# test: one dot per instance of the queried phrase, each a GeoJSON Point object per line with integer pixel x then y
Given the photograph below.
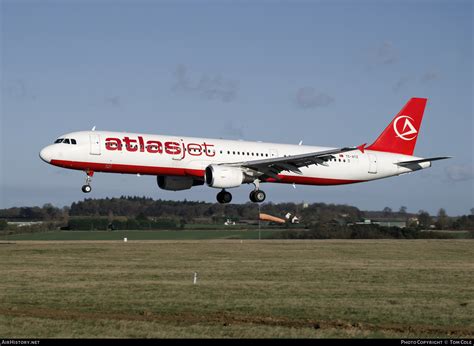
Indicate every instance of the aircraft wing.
{"type": "Point", "coordinates": [273, 166]}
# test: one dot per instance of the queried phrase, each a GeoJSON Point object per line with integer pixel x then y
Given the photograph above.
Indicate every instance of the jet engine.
{"type": "Point", "coordinates": [223, 177]}
{"type": "Point", "coordinates": [173, 183]}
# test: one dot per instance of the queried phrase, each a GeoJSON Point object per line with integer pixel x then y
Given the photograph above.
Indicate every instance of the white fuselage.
{"type": "Point", "coordinates": [118, 152]}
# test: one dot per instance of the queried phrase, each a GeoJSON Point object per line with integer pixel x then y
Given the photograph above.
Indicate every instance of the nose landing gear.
{"type": "Point", "coordinates": [87, 187]}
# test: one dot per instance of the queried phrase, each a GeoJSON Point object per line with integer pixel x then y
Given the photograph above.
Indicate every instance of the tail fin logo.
{"type": "Point", "coordinates": [407, 132]}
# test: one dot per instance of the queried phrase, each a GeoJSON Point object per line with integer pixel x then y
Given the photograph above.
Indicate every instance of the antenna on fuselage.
{"type": "Point", "coordinates": [93, 129]}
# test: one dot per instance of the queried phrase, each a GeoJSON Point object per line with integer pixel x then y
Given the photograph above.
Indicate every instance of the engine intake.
{"type": "Point", "coordinates": [224, 177]}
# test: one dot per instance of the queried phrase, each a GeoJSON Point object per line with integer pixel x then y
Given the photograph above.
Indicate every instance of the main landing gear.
{"type": "Point", "coordinates": [87, 187]}
{"type": "Point", "coordinates": [256, 196]}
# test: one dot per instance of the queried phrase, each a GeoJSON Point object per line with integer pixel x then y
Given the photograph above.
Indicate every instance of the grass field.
{"type": "Point", "coordinates": [142, 235]}
{"type": "Point", "coordinates": [249, 288]}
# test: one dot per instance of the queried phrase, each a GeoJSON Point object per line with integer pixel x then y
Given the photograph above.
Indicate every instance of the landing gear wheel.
{"type": "Point", "coordinates": [224, 197]}
{"type": "Point", "coordinates": [257, 196]}
{"type": "Point", "coordinates": [87, 187]}
{"type": "Point", "coordinates": [252, 197]}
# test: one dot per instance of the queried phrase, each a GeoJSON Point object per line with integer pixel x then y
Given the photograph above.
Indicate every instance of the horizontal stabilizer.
{"type": "Point", "coordinates": [411, 163]}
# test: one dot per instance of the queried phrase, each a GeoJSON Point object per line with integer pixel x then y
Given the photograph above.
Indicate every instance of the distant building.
{"type": "Point", "coordinates": [413, 221]}
{"type": "Point", "coordinates": [391, 223]}
{"type": "Point", "coordinates": [24, 223]}
{"type": "Point", "coordinates": [229, 222]}
{"type": "Point", "coordinates": [383, 223]}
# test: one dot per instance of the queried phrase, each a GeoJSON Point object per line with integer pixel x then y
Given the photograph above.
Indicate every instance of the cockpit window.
{"type": "Point", "coordinates": [66, 141]}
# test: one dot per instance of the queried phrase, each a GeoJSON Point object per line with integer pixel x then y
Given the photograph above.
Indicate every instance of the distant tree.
{"type": "Point", "coordinates": [465, 222]}
{"type": "Point", "coordinates": [472, 211]}
{"type": "Point", "coordinates": [141, 217]}
{"type": "Point", "coordinates": [424, 219]}
{"type": "Point", "coordinates": [387, 211]}
{"type": "Point", "coordinates": [110, 216]}
{"type": "Point", "coordinates": [3, 224]}
{"type": "Point", "coordinates": [403, 210]}
{"type": "Point", "coordinates": [442, 221]}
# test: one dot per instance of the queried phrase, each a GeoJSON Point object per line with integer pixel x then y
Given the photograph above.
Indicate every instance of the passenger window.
{"type": "Point", "coordinates": [73, 141]}
{"type": "Point", "coordinates": [66, 141]}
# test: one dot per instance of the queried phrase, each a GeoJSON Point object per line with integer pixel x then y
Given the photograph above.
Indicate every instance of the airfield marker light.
{"type": "Point", "coordinates": [195, 278]}
{"type": "Point", "coordinates": [125, 240]}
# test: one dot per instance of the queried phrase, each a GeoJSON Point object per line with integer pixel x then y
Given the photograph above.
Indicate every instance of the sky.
{"type": "Point", "coordinates": [329, 73]}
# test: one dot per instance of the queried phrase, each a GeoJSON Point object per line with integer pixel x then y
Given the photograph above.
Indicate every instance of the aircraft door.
{"type": "Point", "coordinates": [372, 163]}
{"type": "Point", "coordinates": [95, 144]}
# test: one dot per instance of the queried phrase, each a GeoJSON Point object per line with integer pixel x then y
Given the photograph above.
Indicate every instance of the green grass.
{"type": "Point", "coordinates": [141, 235]}
{"type": "Point", "coordinates": [249, 288]}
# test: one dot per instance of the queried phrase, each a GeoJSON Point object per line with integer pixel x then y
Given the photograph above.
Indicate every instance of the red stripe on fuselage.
{"type": "Point", "coordinates": [198, 173]}
{"type": "Point", "coordinates": [128, 169]}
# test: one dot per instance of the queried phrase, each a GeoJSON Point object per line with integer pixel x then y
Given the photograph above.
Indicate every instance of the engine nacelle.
{"type": "Point", "coordinates": [224, 177]}
{"type": "Point", "coordinates": [172, 183]}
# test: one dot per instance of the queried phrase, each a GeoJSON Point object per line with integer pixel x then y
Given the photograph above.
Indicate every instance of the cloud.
{"type": "Point", "coordinates": [402, 82]}
{"type": "Point", "coordinates": [113, 101]}
{"type": "Point", "coordinates": [308, 97]}
{"type": "Point", "coordinates": [18, 89]}
{"type": "Point", "coordinates": [424, 78]}
{"type": "Point", "coordinates": [387, 53]}
{"type": "Point", "coordinates": [460, 172]}
{"type": "Point", "coordinates": [233, 130]}
{"type": "Point", "coordinates": [429, 76]}
{"type": "Point", "coordinates": [210, 87]}
{"type": "Point", "coordinates": [182, 80]}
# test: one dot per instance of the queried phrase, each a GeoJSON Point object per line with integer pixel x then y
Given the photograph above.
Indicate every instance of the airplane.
{"type": "Point", "coordinates": [179, 163]}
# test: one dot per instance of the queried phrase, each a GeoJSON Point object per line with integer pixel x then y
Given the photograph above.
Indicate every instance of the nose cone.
{"type": "Point", "coordinates": [46, 154]}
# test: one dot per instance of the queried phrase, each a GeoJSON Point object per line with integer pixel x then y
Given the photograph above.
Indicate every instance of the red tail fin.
{"type": "Point", "coordinates": [401, 135]}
